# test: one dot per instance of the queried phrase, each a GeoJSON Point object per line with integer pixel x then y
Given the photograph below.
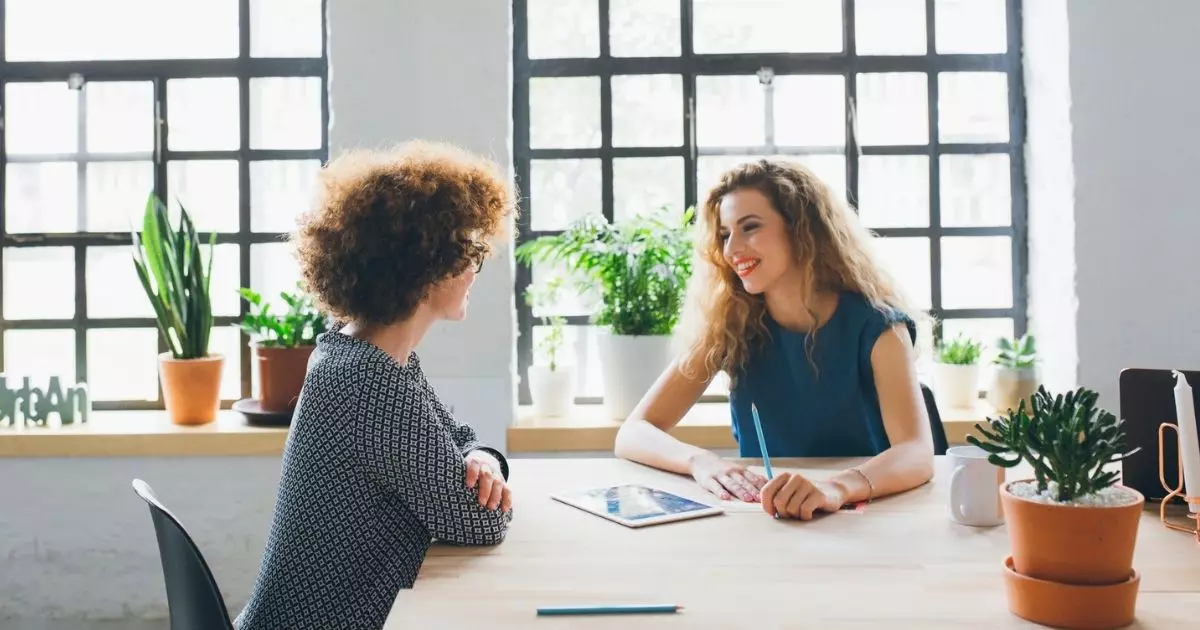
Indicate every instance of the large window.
{"type": "Point", "coordinates": [219, 105]}
{"type": "Point", "coordinates": [913, 108]}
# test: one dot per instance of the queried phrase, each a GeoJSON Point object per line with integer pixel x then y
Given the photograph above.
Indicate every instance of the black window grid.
{"type": "Point", "coordinates": [159, 72]}
{"type": "Point", "coordinates": [848, 64]}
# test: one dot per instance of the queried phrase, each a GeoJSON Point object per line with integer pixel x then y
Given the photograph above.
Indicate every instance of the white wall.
{"type": "Point", "coordinates": [439, 71]}
{"type": "Point", "coordinates": [1136, 145]}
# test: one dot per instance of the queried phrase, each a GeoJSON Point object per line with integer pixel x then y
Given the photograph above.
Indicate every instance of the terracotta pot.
{"type": "Point", "coordinates": [1072, 544]}
{"type": "Point", "coordinates": [1009, 386]}
{"type": "Point", "coordinates": [191, 387]}
{"type": "Point", "coordinates": [281, 376]}
{"type": "Point", "coordinates": [1060, 605]}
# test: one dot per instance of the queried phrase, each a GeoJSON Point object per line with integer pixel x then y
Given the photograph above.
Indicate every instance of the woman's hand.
{"type": "Point", "coordinates": [724, 478]}
{"type": "Point", "coordinates": [790, 495]}
{"type": "Point", "coordinates": [483, 471]}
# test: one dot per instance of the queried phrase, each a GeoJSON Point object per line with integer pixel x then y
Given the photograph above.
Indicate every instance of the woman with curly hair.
{"type": "Point", "coordinates": [788, 302]}
{"type": "Point", "coordinates": [375, 467]}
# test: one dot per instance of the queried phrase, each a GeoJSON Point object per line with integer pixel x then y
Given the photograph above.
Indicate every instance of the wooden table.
{"type": "Point", "coordinates": [900, 564]}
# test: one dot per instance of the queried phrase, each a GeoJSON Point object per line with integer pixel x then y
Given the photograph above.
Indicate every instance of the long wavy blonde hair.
{"type": "Point", "coordinates": [722, 322]}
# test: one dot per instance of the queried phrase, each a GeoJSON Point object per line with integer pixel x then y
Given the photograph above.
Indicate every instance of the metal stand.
{"type": "Point", "coordinates": [1194, 530]}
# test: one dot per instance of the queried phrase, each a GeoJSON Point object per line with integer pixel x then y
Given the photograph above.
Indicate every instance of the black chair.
{"type": "Point", "coordinates": [940, 443]}
{"type": "Point", "coordinates": [193, 598]}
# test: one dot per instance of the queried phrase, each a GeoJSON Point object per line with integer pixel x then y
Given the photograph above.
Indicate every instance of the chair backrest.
{"type": "Point", "coordinates": [193, 597]}
{"type": "Point", "coordinates": [940, 443]}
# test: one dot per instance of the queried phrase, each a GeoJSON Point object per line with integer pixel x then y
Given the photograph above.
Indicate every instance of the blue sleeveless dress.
{"type": "Point", "coordinates": [832, 411]}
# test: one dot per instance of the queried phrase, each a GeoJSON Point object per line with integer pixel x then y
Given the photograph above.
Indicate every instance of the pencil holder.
{"type": "Point", "coordinates": [1194, 530]}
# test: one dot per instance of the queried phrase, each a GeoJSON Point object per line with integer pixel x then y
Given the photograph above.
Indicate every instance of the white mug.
{"type": "Point", "coordinates": [974, 487]}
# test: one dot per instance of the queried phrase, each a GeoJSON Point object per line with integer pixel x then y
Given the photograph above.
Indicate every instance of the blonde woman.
{"type": "Point", "coordinates": [788, 302]}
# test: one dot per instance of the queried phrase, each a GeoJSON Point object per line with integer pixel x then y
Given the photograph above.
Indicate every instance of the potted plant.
{"type": "Point", "coordinates": [282, 345]}
{"type": "Point", "coordinates": [956, 372]}
{"type": "Point", "coordinates": [551, 383]}
{"type": "Point", "coordinates": [1071, 526]}
{"type": "Point", "coordinates": [641, 268]}
{"type": "Point", "coordinates": [176, 280]}
{"type": "Point", "coordinates": [1014, 373]}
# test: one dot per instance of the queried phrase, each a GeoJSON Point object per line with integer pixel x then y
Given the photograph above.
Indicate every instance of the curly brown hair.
{"type": "Point", "coordinates": [388, 225]}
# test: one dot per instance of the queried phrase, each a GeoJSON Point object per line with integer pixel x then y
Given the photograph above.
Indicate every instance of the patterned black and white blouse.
{"type": "Point", "coordinates": [373, 472]}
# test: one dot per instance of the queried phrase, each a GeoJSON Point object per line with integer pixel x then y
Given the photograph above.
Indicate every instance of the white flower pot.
{"type": "Point", "coordinates": [956, 386]}
{"type": "Point", "coordinates": [1009, 386]}
{"type": "Point", "coordinates": [629, 366]}
{"type": "Point", "coordinates": [552, 392]}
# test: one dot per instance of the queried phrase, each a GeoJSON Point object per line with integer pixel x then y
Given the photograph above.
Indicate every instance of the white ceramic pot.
{"type": "Point", "coordinates": [956, 386]}
{"type": "Point", "coordinates": [629, 366]}
{"type": "Point", "coordinates": [552, 392]}
{"type": "Point", "coordinates": [1009, 386]}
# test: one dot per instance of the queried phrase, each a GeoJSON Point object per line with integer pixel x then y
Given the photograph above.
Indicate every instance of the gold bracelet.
{"type": "Point", "coordinates": [870, 486]}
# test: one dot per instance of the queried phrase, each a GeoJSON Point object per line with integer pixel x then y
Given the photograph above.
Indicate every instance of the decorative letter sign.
{"type": "Point", "coordinates": [32, 406]}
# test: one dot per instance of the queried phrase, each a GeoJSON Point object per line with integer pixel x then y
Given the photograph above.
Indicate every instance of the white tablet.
{"type": "Point", "coordinates": [635, 505]}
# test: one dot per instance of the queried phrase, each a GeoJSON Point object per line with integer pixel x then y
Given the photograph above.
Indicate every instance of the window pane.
{"type": "Point", "coordinates": [647, 110]}
{"type": "Point", "coordinates": [764, 26]}
{"type": "Point", "coordinates": [571, 301]}
{"type": "Point", "coordinates": [281, 190]}
{"type": "Point", "coordinates": [273, 268]}
{"type": "Point", "coordinates": [643, 28]}
{"type": "Point", "coordinates": [889, 27]}
{"type": "Point", "coordinates": [113, 287]}
{"type": "Point", "coordinates": [970, 26]}
{"type": "Point", "coordinates": [41, 197]}
{"type": "Point", "coordinates": [985, 331]}
{"type": "Point", "coordinates": [710, 168]}
{"type": "Point", "coordinates": [40, 118]}
{"type": "Point", "coordinates": [202, 114]}
{"type": "Point", "coordinates": [285, 113]}
{"type": "Point", "coordinates": [116, 194]}
{"type": "Point", "coordinates": [563, 28]}
{"type": "Point", "coordinates": [730, 111]}
{"type": "Point", "coordinates": [972, 107]}
{"type": "Point", "coordinates": [286, 28]}
{"type": "Point", "coordinates": [893, 190]}
{"type": "Point", "coordinates": [892, 108]}
{"type": "Point", "coordinates": [227, 341]}
{"type": "Point", "coordinates": [209, 191]}
{"type": "Point", "coordinates": [564, 113]}
{"type": "Point", "coordinates": [39, 354]}
{"type": "Point", "coordinates": [643, 185]}
{"type": "Point", "coordinates": [39, 283]}
{"type": "Point", "coordinates": [810, 110]}
{"type": "Point", "coordinates": [975, 190]}
{"type": "Point", "coordinates": [120, 116]}
{"type": "Point", "coordinates": [226, 272]}
{"type": "Point", "coordinates": [562, 191]}
{"type": "Point", "coordinates": [906, 259]}
{"type": "Point", "coordinates": [977, 272]}
{"type": "Point", "coordinates": [122, 363]}
{"type": "Point", "coordinates": [830, 169]}
{"type": "Point", "coordinates": [62, 30]}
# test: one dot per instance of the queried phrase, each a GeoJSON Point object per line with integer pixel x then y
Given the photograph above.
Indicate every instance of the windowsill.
{"type": "Point", "coordinates": [707, 425]}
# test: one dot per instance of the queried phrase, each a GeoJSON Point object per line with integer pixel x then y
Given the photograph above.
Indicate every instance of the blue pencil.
{"type": "Point", "coordinates": [762, 442]}
{"type": "Point", "coordinates": [607, 610]}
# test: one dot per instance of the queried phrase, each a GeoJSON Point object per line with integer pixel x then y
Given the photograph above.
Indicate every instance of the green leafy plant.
{"type": "Point", "coordinates": [640, 266]}
{"type": "Point", "coordinates": [544, 295]}
{"type": "Point", "coordinates": [175, 278]}
{"type": "Point", "coordinates": [960, 351]}
{"type": "Point", "coordinates": [299, 326]}
{"type": "Point", "coordinates": [1065, 438]}
{"type": "Point", "coordinates": [1016, 353]}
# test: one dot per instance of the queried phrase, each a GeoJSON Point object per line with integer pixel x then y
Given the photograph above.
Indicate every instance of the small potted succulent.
{"type": "Point", "coordinates": [1014, 373]}
{"type": "Point", "coordinates": [956, 372]}
{"type": "Point", "coordinates": [282, 345]}
{"type": "Point", "coordinates": [1071, 526]}
{"type": "Point", "coordinates": [175, 276]}
{"type": "Point", "coordinates": [551, 383]}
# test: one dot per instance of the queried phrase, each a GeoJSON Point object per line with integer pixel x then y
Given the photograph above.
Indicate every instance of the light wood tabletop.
{"type": "Point", "coordinates": [901, 563]}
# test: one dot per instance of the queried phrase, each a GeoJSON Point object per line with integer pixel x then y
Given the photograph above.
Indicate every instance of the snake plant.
{"type": "Point", "coordinates": [176, 279]}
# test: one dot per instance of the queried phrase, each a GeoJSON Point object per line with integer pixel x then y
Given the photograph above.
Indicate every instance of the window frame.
{"type": "Point", "coordinates": [244, 68]}
{"type": "Point", "coordinates": [848, 64]}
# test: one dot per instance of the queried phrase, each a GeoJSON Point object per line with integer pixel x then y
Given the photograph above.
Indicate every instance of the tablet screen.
{"type": "Point", "coordinates": [634, 502]}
